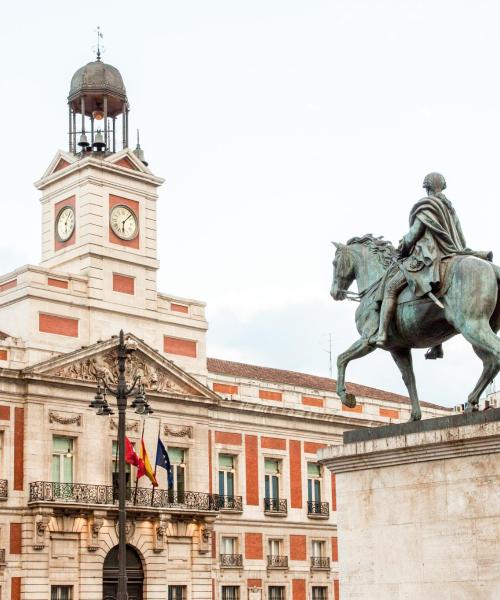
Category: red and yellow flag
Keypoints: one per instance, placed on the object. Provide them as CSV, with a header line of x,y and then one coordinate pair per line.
x,y
148,471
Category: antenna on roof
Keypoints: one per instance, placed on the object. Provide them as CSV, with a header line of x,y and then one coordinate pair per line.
x,y
329,352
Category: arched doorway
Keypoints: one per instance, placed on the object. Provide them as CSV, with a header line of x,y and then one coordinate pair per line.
x,y
135,574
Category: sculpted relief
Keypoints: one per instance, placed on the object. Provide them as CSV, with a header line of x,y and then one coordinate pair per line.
x,y
153,376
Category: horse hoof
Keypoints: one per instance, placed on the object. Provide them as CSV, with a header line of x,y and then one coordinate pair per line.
x,y
349,400
415,417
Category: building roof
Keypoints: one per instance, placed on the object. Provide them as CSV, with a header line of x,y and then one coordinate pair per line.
x,y
236,369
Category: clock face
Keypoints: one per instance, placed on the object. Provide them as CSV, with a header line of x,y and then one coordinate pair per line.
x,y
123,222
65,224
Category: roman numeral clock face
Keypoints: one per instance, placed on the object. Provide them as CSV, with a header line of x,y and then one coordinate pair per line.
x,y
123,222
65,223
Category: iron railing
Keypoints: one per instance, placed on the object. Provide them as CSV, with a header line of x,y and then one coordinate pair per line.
x,y
318,508
83,493
230,503
320,562
275,505
231,560
4,489
2,556
277,562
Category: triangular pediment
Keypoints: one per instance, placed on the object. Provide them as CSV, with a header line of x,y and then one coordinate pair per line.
x,y
61,161
158,374
127,160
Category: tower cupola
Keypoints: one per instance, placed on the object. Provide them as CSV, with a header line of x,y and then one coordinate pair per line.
x,y
98,109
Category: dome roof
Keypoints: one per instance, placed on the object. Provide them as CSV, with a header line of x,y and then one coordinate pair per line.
x,y
97,76
97,79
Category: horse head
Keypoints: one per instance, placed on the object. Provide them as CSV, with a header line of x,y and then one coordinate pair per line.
x,y
343,272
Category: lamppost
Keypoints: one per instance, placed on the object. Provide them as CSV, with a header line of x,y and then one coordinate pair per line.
x,y
141,406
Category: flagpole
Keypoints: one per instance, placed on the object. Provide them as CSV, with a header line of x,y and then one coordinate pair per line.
x,y
156,461
137,474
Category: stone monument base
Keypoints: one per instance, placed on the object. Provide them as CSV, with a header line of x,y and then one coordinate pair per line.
x,y
418,508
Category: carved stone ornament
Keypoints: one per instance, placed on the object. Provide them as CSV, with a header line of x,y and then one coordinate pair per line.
x,y
185,431
159,535
153,376
129,529
94,526
39,534
254,593
131,426
69,420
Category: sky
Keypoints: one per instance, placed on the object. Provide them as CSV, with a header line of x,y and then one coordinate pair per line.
x,y
279,126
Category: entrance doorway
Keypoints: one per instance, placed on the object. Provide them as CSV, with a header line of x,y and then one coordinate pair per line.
x,y
135,574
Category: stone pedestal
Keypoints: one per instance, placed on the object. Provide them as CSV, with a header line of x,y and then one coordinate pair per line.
x,y
418,508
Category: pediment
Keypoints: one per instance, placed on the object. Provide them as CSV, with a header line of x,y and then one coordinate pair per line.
x,y
158,374
127,160
61,161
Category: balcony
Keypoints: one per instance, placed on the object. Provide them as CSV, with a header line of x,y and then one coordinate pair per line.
x,y
230,503
276,507
4,489
320,563
64,495
318,510
231,561
277,562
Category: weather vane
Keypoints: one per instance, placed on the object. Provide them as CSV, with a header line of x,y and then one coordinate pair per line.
x,y
99,49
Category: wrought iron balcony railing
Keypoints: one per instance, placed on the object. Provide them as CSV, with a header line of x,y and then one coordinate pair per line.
x,y
4,489
277,562
275,506
231,560
230,503
83,493
320,562
318,509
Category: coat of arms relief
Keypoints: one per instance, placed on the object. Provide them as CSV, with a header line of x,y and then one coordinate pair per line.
x,y
153,376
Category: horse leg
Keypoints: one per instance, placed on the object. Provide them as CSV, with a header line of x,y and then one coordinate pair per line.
x,y
490,370
402,357
360,348
487,346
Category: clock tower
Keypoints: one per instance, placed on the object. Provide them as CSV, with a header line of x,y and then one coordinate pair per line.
x,y
99,198
98,272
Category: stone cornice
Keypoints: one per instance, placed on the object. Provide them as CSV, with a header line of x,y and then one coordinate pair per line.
x,y
469,440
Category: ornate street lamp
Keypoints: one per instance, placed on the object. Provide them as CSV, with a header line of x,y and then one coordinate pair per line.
x,y
141,406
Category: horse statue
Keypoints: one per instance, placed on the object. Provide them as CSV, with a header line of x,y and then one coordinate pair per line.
x,y
469,303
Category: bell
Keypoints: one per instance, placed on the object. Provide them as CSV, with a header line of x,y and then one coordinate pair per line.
x,y
83,143
99,143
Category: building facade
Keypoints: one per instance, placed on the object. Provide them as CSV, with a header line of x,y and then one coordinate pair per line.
x,y
251,514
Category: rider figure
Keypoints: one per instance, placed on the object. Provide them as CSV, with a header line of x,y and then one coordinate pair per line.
x,y
435,233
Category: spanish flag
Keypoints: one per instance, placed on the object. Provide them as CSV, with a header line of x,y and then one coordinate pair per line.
x,y
148,471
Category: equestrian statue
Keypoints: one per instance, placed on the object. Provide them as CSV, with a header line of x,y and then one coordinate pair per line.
x,y
421,294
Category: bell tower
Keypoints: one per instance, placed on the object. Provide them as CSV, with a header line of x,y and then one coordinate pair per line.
x,y
99,197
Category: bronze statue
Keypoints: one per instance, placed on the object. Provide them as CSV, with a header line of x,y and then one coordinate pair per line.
x,y
422,294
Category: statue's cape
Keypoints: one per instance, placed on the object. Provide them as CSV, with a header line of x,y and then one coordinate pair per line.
x,y
443,237
441,221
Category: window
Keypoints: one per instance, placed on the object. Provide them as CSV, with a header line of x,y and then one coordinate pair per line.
x,y
62,459
177,592
61,592
226,475
276,592
319,593
313,483
272,481
274,546
128,473
318,548
230,592
178,461
228,545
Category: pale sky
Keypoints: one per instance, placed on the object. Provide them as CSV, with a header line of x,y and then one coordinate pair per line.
x,y
279,126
